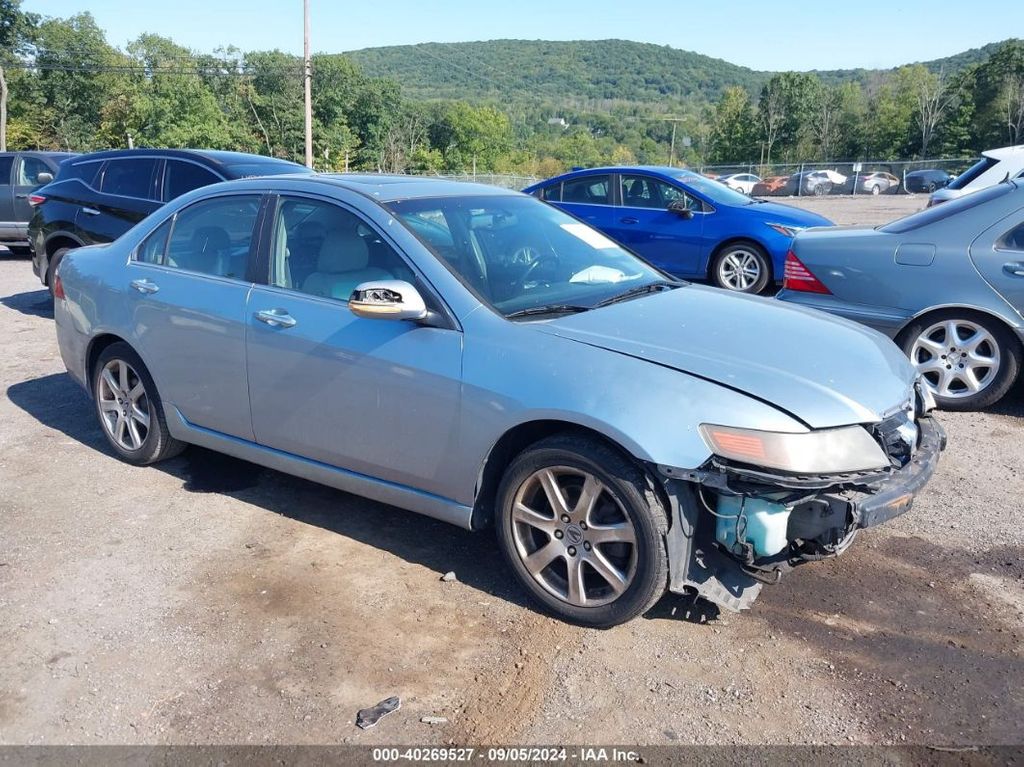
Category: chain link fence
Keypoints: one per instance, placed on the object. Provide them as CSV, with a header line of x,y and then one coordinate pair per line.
x,y
839,178
504,180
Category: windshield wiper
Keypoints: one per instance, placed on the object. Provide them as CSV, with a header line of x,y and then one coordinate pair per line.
x,y
639,290
534,311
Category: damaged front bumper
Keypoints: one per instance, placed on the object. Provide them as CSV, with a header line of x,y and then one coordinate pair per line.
x,y
823,516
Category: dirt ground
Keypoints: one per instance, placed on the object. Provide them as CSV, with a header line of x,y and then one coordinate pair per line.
x,y
210,601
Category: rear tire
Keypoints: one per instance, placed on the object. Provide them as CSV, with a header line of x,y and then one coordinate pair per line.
x,y
51,268
876,190
606,526
957,350
129,409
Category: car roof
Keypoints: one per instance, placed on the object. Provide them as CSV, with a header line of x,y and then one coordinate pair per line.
x,y
43,152
379,187
212,156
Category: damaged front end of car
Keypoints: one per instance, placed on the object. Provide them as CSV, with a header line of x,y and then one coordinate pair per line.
x,y
754,511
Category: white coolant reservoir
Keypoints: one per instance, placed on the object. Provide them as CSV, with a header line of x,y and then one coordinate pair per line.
x,y
758,521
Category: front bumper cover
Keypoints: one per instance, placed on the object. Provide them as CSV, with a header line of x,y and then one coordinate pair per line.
x,y
698,565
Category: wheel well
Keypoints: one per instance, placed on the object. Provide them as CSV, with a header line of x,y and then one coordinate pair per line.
x,y
96,347
53,245
508,446
737,241
966,310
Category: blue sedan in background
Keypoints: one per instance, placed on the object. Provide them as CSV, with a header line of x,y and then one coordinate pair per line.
x,y
684,223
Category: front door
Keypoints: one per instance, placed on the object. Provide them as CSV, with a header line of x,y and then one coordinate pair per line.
x,y
187,288
377,397
26,180
998,255
644,224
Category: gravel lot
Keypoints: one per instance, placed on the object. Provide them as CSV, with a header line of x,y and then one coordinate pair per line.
x,y
210,601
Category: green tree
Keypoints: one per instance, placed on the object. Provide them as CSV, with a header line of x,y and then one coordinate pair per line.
x,y
734,128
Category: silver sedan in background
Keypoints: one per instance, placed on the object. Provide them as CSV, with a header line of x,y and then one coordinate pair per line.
x,y
946,283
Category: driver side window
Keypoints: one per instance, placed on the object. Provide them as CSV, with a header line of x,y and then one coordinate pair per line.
x,y
325,250
640,191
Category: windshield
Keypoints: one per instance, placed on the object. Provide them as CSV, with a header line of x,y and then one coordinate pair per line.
x,y
715,191
517,253
946,209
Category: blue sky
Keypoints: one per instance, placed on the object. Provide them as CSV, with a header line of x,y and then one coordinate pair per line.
x,y
779,34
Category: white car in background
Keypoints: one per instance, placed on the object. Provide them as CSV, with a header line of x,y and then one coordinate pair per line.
x,y
740,182
994,166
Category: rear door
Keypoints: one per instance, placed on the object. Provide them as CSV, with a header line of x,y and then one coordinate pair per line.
x,y
588,198
187,285
998,254
644,224
124,194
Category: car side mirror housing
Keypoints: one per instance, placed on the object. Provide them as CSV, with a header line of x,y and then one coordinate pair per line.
x,y
44,178
680,209
388,300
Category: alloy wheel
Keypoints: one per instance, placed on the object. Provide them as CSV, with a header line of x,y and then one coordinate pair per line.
x,y
958,358
573,536
739,270
123,405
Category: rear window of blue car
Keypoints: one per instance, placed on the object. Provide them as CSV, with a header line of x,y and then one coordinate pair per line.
x,y
945,209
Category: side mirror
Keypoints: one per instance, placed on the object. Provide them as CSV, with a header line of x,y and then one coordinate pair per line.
x,y
679,208
44,178
388,300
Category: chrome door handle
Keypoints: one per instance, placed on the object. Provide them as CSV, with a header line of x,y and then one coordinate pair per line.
x,y
90,211
276,317
22,196
630,220
1015,268
145,286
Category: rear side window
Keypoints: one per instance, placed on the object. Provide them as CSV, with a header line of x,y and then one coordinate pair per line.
x,y
181,177
84,171
1013,239
214,236
589,190
6,163
130,177
153,247
551,193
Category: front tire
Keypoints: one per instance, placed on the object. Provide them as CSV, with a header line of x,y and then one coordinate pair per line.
x,y
968,360
583,529
129,408
742,268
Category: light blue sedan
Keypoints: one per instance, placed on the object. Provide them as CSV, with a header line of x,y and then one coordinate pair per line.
x,y
483,358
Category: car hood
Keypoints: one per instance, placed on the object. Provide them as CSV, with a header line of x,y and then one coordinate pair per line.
x,y
822,370
777,213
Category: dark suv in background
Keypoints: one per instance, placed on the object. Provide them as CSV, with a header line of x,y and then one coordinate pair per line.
x,y
97,197
21,173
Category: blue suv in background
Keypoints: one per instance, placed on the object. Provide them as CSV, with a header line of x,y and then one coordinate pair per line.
x,y
683,222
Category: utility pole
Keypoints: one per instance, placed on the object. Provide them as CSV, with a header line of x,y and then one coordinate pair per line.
x,y
307,76
672,147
